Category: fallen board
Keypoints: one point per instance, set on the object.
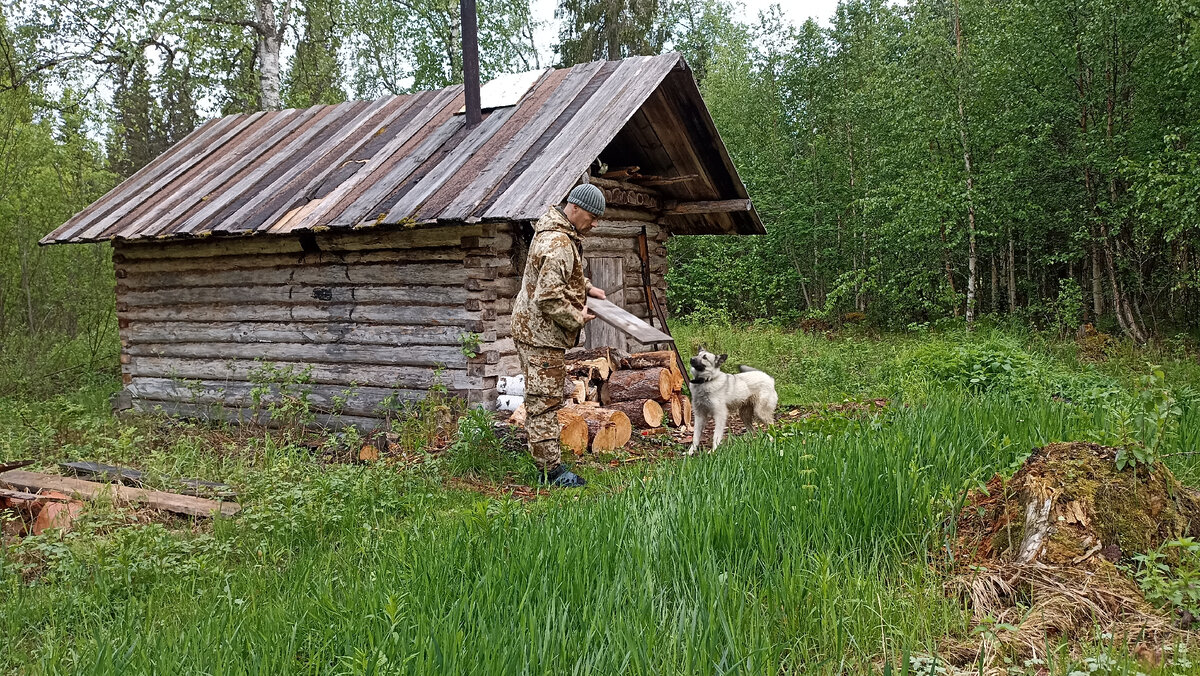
(95, 471)
(627, 323)
(4, 467)
(171, 502)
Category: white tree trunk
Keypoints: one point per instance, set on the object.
(270, 41)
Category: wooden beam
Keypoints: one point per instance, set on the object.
(626, 323)
(171, 502)
(706, 207)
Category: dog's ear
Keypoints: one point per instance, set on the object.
(721, 359)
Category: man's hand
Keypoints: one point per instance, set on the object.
(587, 316)
(597, 292)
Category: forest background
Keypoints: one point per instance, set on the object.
(921, 162)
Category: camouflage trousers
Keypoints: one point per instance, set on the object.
(545, 372)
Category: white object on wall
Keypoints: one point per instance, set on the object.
(513, 385)
(508, 402)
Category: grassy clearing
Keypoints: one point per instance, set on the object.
(810, 550)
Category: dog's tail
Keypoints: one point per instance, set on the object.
(742, 368)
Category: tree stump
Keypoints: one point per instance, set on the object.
(651, 383)
(643, 413)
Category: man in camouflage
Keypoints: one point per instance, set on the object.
(548, 315)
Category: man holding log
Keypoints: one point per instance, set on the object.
(547, 317)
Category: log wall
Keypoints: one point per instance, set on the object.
(370, 314)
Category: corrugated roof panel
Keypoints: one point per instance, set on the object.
(411, 157)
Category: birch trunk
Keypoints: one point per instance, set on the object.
(268, 47)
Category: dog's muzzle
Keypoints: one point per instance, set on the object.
(697, 363)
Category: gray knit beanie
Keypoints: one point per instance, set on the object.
(588, 197)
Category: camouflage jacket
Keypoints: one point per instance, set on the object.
(548, 311)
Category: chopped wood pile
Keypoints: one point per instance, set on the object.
(609, 394)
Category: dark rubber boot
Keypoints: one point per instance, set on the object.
(561, 477)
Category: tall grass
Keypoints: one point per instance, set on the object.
(805, 552)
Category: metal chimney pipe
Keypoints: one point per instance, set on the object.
(470, 45)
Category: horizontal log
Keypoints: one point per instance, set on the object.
(609, 184)
(706, 207)
(624, 213)
(346, 333)
(329, 353)
(426, 274)
(593, 244)
(332, 240)
(300, 259)
(377, 313)
(90, 490)
(358, 400)
(503, 286)
(376, 375)
(244, 416)
(299, 294)
(617, 227)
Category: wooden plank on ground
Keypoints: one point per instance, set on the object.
(88, 490)
(627, 323)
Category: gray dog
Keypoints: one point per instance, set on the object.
(716, 394)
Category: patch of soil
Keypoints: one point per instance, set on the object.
(1040, 551)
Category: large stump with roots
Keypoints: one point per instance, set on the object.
(1048, 551)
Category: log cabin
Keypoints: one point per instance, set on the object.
(376, 246)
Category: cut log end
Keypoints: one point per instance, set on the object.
(608, 429)
(643, 413)
(574, 434)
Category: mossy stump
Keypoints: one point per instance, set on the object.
(1044, 550)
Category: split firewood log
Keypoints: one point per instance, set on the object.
(675, 405)
(651, 383)
(643, 413)
(612, 354)
(590, 369)
(575, 390)
(608, 429)
(687, 413)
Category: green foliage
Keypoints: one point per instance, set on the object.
(595, 30)
(852, 140)
(57, 313)
(469, 344)
(479, 452)
(1170, 576)
(282, 392)
(1154, 417)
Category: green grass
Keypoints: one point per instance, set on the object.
(806, 551)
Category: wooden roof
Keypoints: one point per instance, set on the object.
(407, 159)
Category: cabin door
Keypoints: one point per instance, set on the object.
(608, 273)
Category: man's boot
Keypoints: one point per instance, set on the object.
(562, 477)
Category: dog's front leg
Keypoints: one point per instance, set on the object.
(719, 419)
(697, 430)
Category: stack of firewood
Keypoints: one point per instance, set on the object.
(610, 393)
